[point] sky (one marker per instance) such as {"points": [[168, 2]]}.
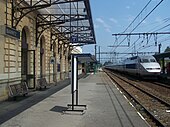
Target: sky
{"points": [[114, 16]]}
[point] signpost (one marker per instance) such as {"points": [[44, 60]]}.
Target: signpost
{"points": [[74, 74], [11, 32], [74, 83], [74, 39]]}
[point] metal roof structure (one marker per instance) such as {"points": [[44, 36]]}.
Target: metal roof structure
{"points": [[69, 20], [85, 57], [162, 55]]}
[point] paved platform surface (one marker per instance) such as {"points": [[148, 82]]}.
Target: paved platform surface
{"points": [[106, 107]]}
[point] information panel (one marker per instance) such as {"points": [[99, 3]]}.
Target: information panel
{"points": [[74, 73]]}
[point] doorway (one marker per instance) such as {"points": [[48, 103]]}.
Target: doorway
{"points": [[27, 61]]}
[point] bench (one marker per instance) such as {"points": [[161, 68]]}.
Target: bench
{"points": [[20, 89], [42, 83]]}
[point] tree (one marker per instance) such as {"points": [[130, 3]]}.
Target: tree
{"points": [[167, 49]]}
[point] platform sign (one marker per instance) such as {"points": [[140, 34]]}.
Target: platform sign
{"points": [[74, 83], [74, 39], [11, 32], [74, 69], [74, 73]]}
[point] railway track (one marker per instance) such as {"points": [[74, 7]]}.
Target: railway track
{"points": [[161, 84], [158, 89], [156, 107]]}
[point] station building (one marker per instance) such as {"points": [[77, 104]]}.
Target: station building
{"points": [[31, 47]]}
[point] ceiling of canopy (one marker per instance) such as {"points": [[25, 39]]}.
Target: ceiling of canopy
{"points": [[72, 19]]}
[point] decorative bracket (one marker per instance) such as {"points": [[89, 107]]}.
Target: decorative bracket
{"points": [[21, 8]]}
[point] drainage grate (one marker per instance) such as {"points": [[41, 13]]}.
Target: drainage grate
{"points": [[100, 84]]}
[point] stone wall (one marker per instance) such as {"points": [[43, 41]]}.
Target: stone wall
{"points": [[10, 53]]}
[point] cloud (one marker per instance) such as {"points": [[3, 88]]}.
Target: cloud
{"points": [[108, 30], [105, 25], [127, 7], [144, 22], [158, 20], [113, 20], [96, 26], [102, 22], [130, 18]]}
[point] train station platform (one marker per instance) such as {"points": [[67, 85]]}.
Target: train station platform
{"points": [[106, 107]]}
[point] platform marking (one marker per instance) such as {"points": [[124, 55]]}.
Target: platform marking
{"points": [[125, 97], [141, 116], [130, 103], [168, 111]]}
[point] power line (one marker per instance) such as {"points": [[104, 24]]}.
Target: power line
{"points": [[138, 15], [164, 21], [148, 33], [162, 27], [140, 22], [134, 43], [135, 18], [147, 15]]}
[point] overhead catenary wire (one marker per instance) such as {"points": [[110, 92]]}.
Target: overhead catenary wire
{"points": [[166, 26], [136, 18], [164, 39], [164, 21], [140, 22], [152, 44]]}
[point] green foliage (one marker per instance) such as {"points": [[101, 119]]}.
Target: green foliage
{"points": [[167, 49]]}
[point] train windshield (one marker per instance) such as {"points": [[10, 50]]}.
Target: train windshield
{"points": [[152, 60], [147, 60]]}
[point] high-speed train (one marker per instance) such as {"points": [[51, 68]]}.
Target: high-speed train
{"points": [[143, 66]]}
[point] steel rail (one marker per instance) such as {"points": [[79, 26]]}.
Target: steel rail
{"points": [[158, 122], [148, 93], [162, 84]]}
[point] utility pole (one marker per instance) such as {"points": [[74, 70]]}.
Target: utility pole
{"points": [[95, 50], [99, 54], [159, 48]]}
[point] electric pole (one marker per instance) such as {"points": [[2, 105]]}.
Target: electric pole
{"points": [[95, 51], [99, 54], [159, 48]]}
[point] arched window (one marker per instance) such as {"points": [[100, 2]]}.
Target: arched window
{"points": [[24, 49]]}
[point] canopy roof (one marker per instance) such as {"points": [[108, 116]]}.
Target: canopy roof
{"points": [[85, 57], [162, 55], [71, 19]]}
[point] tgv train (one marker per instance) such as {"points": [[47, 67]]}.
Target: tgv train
{"points": [[142, 66]]}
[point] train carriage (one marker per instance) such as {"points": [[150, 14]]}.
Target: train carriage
{"points": [[138, 65]]}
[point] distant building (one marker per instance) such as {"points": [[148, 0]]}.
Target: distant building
{"points": [[76, 50]]}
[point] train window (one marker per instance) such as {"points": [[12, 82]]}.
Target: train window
{"points": [[145, 61], [133, 58], [152, 60]]}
